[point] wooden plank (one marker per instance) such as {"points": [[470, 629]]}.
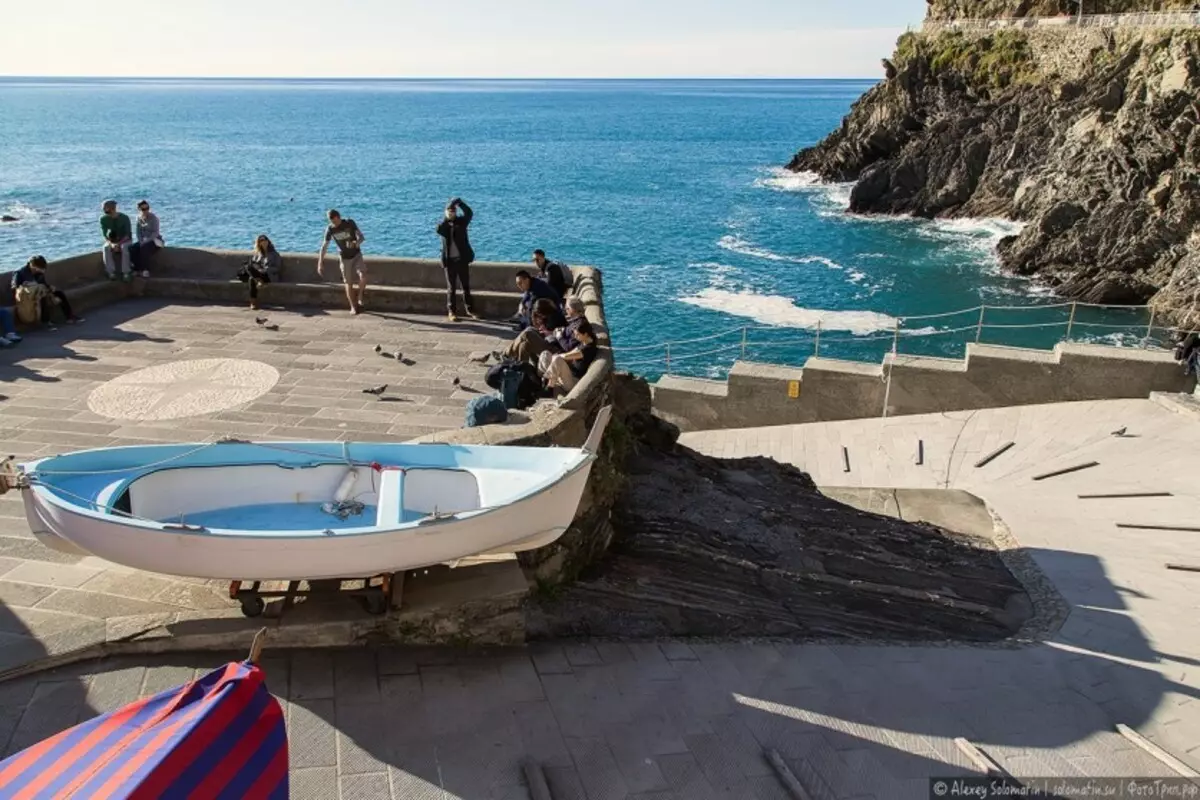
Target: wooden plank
{"points": [[1123, 495], [977, 757], [1132, 526], [1184, 567], [992, 456], [1066, 470], [790, 782], [1182, 769], [536, 780]]}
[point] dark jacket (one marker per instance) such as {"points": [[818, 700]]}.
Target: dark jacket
{"points": [[459, 231], [26, 275], [538, 289], [269, 263], [553, 274]]}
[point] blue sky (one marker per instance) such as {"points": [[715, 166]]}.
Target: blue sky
{"points": [[464, 38]]}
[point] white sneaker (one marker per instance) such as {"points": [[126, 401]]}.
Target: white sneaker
{"points": [[13, 337]]}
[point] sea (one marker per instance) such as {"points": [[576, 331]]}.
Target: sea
{"points": [[675, 189]]}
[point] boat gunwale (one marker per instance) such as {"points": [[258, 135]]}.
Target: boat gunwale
{"points": [[46, 493]]}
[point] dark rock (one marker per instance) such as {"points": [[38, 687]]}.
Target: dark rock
{"points": [[889, 69], [7, 218], [1104, 165]]}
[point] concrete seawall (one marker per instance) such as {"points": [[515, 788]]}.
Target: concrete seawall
{"points": [[988, 377]]}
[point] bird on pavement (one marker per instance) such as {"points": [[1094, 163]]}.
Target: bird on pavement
{"points": [[270, 327], [398, 355], [378, 348], [483, 359], [1120, 432], [260, 320], [456, 382], [377, 390]]}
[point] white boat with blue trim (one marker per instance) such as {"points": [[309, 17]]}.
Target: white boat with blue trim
{"points": [[237, 510]]}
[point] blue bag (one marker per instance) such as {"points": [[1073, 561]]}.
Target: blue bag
{"points": [[486, 409]]}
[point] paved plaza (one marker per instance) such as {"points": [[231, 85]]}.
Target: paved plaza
{"points": [[145, 372], [646, 720]]}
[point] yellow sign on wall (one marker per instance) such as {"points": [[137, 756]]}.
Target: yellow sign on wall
{"points": [[793, 389]]}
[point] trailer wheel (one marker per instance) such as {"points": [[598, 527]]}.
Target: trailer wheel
{"points": [[253, 606]]}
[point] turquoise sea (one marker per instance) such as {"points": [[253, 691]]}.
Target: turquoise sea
{"points": [[672, 187]]}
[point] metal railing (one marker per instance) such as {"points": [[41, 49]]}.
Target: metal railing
{"points": [[1135, 19], [766, 343]]}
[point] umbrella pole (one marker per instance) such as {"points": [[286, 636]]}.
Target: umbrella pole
{"points": [[256, 646]]}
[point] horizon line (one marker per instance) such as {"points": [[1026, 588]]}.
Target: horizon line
{"points": [[422, 78]]}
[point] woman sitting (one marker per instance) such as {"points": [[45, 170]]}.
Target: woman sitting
{"points": [[563, 370], [539, 337], [262, 268]]}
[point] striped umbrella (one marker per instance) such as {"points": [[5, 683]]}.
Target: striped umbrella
{"points": [[220, 736]]}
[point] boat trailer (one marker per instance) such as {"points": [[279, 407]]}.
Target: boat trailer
{"points": [[375, 594]]}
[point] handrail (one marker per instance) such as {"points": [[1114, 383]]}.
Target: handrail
{"points": [[751, 338], [1134, 19]]}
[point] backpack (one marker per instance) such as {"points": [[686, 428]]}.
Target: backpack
{"points": [[486, 410], [517, 383], [28, 303]]}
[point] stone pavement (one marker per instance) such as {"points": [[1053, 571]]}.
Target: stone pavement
{"points": [[145, 371], [1130, 646]]}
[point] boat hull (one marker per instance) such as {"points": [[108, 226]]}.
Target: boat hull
{"points": [[529, 523]]}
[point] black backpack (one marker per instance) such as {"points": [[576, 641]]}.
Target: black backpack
{"points": [[528, 384]]}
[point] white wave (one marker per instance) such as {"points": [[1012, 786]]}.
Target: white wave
{"points": [[22, 212], [720, 275], [783, 312], [736, 244], [980, 234], [784, 180], [856, 276]]}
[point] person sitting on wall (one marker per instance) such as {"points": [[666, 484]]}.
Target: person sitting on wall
{"points": [[555, 273], [539, 337], [262, 268], [562, 371], [8, 328], [118, 236], [532, 289], [32, 277], [149, 239]]}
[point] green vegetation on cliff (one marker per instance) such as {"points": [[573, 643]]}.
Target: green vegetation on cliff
{"points": [[990, 9], [997, 61]]}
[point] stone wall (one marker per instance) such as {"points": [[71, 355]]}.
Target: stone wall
{"points": [[989, 377]]}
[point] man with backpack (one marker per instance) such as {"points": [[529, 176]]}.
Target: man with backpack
{"points": [[555, 273]]}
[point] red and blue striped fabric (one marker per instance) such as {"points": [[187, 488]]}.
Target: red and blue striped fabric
{"points": [[221, 736]]}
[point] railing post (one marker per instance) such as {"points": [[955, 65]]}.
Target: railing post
{"points": [[668, 358], [745, 328], [817, 348], [979, 327], [1149, 330], [896, 338], [1071, 320]]}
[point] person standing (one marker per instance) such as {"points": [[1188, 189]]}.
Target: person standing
{"points": [[149, 239], [457, 256], [349, 239], [34, 272], [118, 235]]}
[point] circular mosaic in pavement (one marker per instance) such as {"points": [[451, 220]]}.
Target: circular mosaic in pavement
{"points": [[183, 389]]}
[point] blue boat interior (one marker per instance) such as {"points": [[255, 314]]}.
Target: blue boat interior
{"points": [[320, 488]]}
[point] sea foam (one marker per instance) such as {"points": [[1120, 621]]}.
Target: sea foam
{"points": [[783, 312]]}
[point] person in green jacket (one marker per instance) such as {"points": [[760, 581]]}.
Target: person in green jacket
{"points": [[118, 236]]}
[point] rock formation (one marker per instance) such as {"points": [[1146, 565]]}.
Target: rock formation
{"points": [[1089, 135]]}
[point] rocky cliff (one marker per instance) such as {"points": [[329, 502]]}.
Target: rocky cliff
{"points": [[1090, 135]]}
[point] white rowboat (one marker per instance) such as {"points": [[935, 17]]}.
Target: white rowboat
{"points": [[236, 510]]}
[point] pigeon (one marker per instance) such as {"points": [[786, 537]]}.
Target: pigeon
{"points": [[398, 355], [260, 320], [483, 359], [378, 348], [1120, 432], [378, 390], [456, 382], [270, 327]]}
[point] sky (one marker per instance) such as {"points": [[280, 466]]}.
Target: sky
{"points": [[459, 39]]}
